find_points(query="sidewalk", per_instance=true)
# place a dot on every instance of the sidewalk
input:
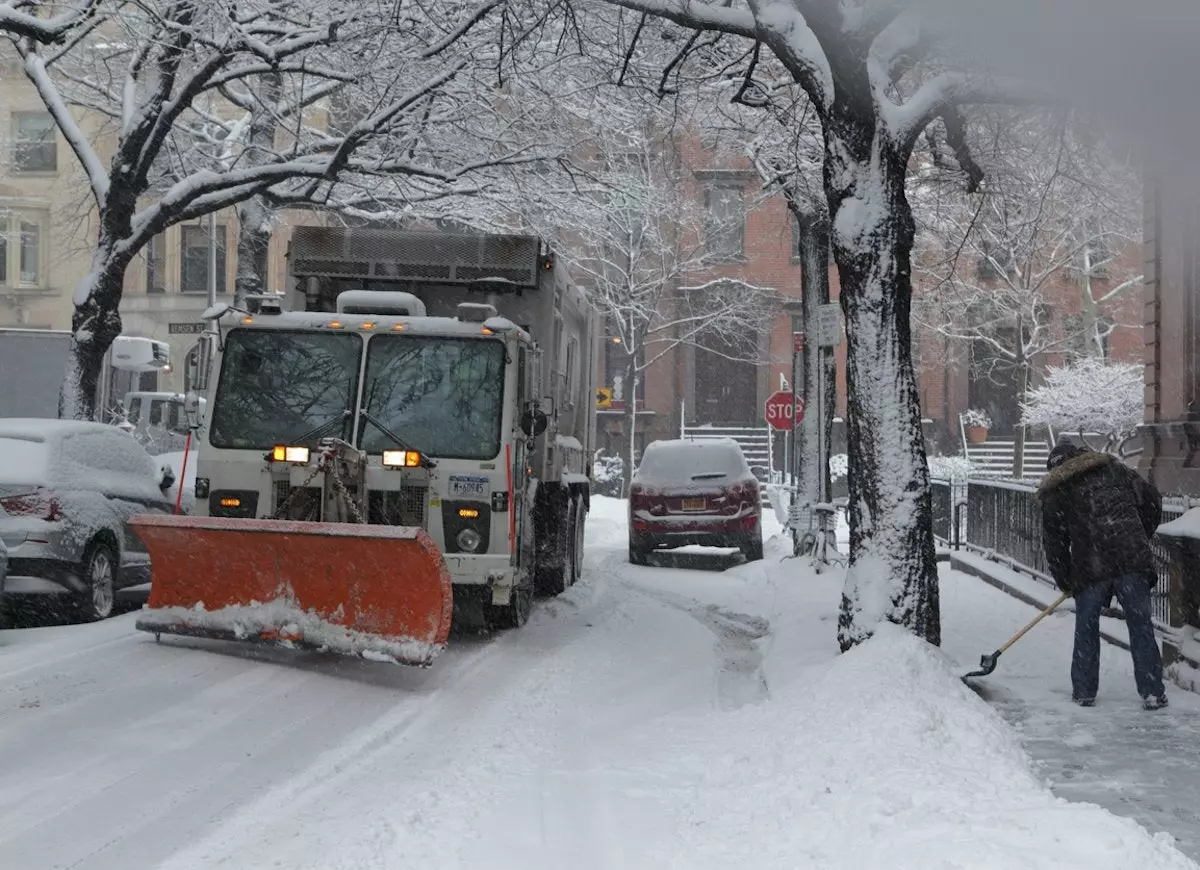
(1145, 766)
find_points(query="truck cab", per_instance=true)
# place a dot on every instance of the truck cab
(460, 433)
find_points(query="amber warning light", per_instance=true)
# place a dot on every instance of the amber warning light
(401, 458)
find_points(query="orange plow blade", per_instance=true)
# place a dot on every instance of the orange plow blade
(378, 592)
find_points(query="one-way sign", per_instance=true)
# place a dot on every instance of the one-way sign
(185, 328)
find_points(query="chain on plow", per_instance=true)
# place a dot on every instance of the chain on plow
(327, 462)
(351, 503)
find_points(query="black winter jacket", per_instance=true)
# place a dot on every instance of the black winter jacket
(1097, 519)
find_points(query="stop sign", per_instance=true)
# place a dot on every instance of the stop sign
(782, 410)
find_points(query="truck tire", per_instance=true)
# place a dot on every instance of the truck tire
(554, 579)
(514, 614)
(577, 539)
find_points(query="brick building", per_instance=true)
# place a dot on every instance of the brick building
(1172, 338)
(696, 386)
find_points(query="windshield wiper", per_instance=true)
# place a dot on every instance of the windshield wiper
(426, 462)
(318, 431)
(709, 475)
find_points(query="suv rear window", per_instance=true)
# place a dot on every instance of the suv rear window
(686, 461)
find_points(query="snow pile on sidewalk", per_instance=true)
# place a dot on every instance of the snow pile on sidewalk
(881, 759)
(282, 621)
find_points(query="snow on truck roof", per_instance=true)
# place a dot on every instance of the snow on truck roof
(382, 323)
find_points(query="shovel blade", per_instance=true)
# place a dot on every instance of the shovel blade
(987, 664)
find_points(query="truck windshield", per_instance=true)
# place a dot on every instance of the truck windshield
(442, 396)
(276, 387)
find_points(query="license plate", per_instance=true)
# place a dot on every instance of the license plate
(693, 504)
(468, 486)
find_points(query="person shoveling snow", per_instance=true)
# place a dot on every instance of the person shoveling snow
(1097, 519)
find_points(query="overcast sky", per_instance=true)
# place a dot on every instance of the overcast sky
(1136, 62)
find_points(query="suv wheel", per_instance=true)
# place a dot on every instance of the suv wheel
(752, 549)
(100, 575)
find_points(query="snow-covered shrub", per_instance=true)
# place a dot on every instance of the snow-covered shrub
(1089, 396)
(951, 468)
(977, 417)
(839, 466)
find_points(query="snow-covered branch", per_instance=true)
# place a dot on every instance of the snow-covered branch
(55, 28)
(1089, 396)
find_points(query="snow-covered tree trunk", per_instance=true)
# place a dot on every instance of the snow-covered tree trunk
(814, 290)
(255, 222)
(630, 422)
(95, 323)
(256, 218)
(893, 566)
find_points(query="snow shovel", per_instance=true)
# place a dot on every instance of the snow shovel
(987, 663)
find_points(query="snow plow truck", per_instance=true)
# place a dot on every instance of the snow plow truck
(400, 439)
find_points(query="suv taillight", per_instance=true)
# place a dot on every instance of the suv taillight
(32, 504)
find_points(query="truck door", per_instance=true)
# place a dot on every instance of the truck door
(528, 389)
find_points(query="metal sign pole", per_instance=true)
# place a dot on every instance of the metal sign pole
(797, 390)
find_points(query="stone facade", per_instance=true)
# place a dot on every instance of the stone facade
(1172, 338)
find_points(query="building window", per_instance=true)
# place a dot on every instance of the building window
(156, 265)
(30, 253)
(193, 273)
(35, 142)
(22, 249)
(725, 224)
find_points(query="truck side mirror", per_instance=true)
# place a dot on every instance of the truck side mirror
(534, 422)
(200, 360)
(191, 409)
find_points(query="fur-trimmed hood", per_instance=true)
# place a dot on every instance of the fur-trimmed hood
(1073, 468)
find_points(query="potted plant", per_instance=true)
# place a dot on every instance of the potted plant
(977, 423)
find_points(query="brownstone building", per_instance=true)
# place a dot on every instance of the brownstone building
(1172, 338)
(697, 386)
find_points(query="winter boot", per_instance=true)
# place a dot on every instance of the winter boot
(1152, 703)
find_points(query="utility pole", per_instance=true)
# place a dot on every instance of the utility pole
(212, 259)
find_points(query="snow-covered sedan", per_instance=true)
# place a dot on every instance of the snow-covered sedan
(694, 492)
(67, 490)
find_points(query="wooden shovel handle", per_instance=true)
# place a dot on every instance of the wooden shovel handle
(1020, 634)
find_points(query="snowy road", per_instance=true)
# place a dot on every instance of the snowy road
(652, 717)
(197, 754)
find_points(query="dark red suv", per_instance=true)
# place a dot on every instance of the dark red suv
(694, 492)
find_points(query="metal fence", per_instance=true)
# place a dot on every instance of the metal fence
(1002, 521)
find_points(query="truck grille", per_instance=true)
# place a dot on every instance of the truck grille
(402, 507)
(305, 506)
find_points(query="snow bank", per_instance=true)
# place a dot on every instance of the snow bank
(293, 626)
(882, 759)
(1186, 526)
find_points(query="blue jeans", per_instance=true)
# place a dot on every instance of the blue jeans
(1133, 591)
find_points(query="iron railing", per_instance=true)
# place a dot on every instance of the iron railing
(1003, 522)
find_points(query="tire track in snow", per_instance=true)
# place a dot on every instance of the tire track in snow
(330, 770)
(740, 678)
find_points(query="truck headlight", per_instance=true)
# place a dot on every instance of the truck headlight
(283, 453)
(468, 540)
